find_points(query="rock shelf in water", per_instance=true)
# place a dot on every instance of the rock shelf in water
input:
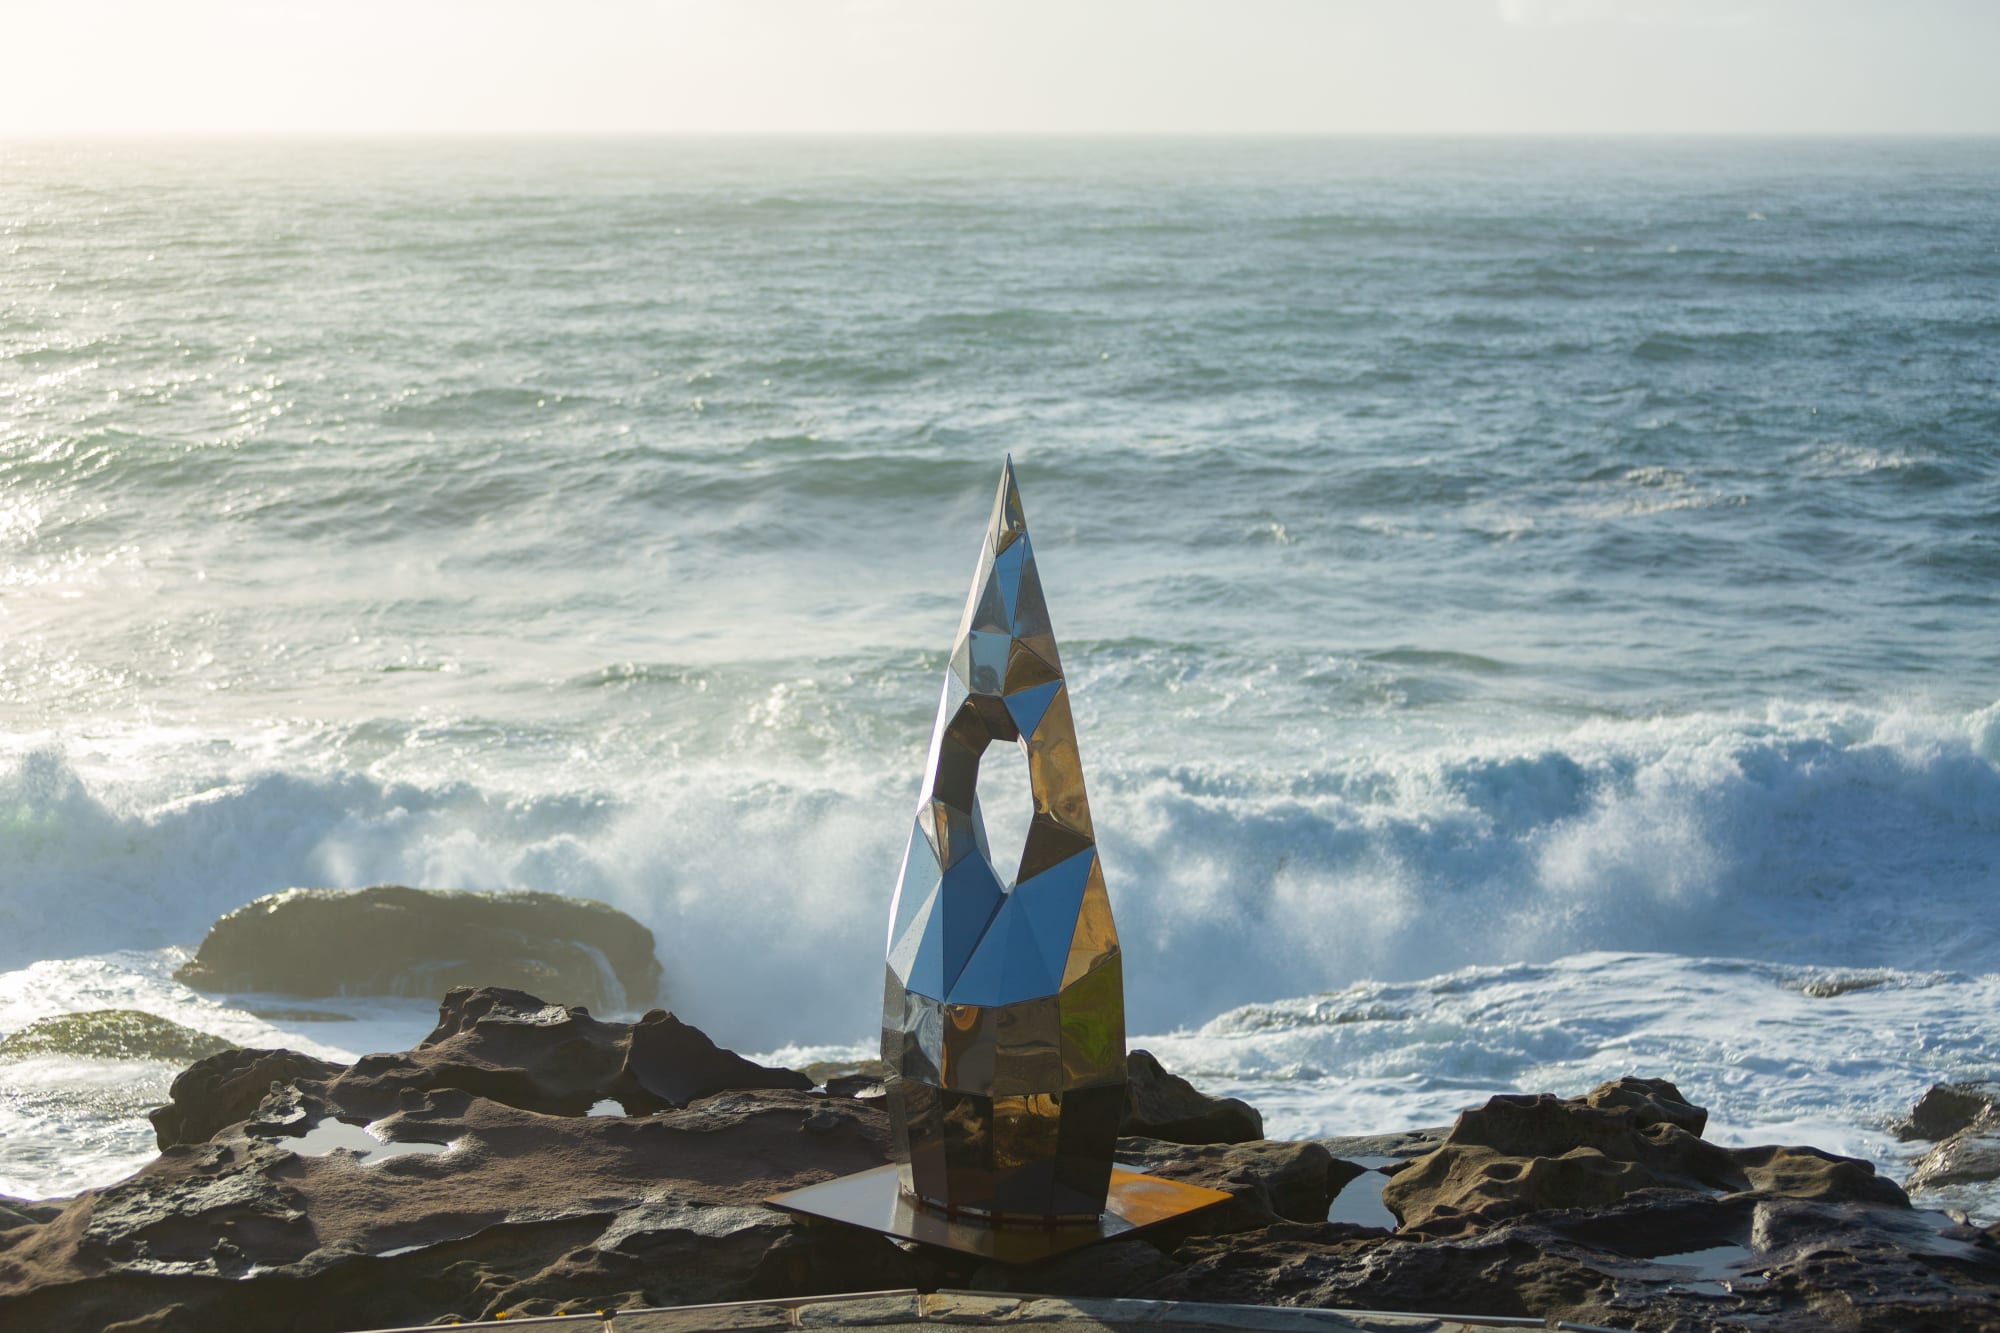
(481, 1172)
(393, 940)
(110, 1034)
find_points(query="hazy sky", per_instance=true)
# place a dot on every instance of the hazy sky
(1366, 66)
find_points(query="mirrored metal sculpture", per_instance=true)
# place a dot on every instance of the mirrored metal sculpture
(1003, 1012)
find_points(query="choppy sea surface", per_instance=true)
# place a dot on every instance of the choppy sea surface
(1531, 605)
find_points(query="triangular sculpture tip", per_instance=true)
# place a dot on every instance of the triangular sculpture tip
(1009, 521)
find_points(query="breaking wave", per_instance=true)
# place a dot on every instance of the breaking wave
(1817, 836)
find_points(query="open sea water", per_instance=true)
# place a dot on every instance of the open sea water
(1531, 605)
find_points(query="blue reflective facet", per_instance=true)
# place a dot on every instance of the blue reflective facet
(969, 895)
(1027, 706)
(919, 956)
(1049, 903)
(919, 879)
(1006, 967)
(981, 976)
(1007, 575)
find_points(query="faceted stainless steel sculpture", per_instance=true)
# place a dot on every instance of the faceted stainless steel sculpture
(1003, 1015)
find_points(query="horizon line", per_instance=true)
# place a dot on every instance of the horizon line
(377, 133)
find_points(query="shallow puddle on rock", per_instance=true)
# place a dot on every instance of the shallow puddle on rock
(329, 1135)
(1717, 1270)
(1360, 1202)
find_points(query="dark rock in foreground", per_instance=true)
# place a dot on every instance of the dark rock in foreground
(392, 940)
(456, 1179)
(669, 1064)
(1160, 1105)
(1608, 1210)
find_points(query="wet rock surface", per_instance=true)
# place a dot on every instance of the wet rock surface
(1964, 1121)
(395, 940)
(487, 1170)
(1948, 1108)
(221, 1089)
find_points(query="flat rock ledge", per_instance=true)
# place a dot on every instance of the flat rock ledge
(982, 1309)
(530, 1160)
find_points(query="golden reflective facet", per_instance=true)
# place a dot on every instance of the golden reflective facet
(1096, 939)
(1008, 520)
(1025, 670)
(956, 775)
(1028, 1058)
(1025, 1130)
(994, 718)
(1007, 1107)
(1048, 844)
(1055, 772)
(1093, 1027)
(969, 1046)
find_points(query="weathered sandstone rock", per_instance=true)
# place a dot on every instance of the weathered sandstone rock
(392, 940)
(441, 1182)
(1520, 1154)
(222, 1089)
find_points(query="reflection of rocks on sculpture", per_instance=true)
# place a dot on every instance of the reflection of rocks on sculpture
(1003, 1019)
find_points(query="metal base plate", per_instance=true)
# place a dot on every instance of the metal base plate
(875, 1200)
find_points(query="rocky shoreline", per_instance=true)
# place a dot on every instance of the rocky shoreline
(530, 1158)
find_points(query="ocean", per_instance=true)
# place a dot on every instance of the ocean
(1529, 604)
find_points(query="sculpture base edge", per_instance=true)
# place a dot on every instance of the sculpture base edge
(875, 1201)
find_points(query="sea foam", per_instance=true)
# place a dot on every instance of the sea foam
(1809, 835)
